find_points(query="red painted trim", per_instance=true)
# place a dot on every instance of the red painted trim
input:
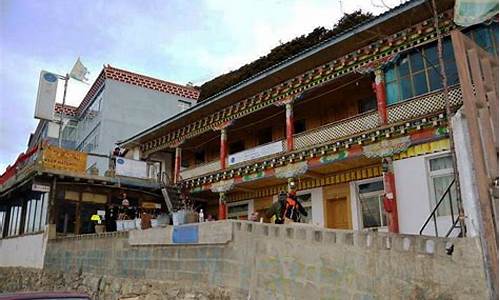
(380, 93)
(223, 149)
(390, 202)
(177, 166)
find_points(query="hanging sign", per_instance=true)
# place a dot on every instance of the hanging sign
(46, 96)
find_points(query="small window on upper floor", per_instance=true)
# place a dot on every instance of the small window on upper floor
(199, 157)
(265, 135)
(299, 126)
(183, 105)
(367, 104)
(236, 147)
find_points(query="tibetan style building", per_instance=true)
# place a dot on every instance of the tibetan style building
(359, 121)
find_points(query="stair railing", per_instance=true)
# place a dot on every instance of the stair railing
(433, 214)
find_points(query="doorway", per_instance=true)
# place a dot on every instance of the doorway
(337, 206)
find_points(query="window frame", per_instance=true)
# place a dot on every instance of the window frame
(359, 205)
(437, 174)
(249, 204)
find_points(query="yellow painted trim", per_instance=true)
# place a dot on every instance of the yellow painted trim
(422, 149)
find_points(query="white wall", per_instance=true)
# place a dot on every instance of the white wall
(414, 196)
(23, 251)
(468, 189)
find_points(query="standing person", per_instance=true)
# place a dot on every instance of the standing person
(277, 209)
(293, 208)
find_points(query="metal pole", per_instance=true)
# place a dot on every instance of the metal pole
(66, 78)
(444, 80)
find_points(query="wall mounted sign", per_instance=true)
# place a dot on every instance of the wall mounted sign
(40, 188)
(64, 160)
(255, 153)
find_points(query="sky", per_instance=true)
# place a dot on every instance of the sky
(175, 40)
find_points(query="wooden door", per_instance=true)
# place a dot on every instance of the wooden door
(337, 214)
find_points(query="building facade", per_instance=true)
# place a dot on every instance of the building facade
(359, 121)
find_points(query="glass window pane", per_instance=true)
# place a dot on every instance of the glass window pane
(420, 83)
(390, 74)
(28, 217)
(441, 184)
(417, 62)
(404, 67)
(448, 49)
(431, 54)
(451, 72)
(434, 78)
(441, 163)
(371, 187)
(406, 89)
(45, 201)
(370, 209)
(38, 215)
(392, 91)
(482, 38)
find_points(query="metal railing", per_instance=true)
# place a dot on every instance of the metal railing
(433, 216)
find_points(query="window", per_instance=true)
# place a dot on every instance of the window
(299, 126)
(306, 201)
(91, 141)
(183, 105)
(15, 220)
(417, 72)
(36, 213)
(236, 147)
(370, 197)
(367, 104)
(199, 157)
(440, 176)
(265, 135)
(238, 211)
(485, 36)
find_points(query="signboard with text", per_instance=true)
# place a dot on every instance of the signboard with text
(64, 160)
(256, 152)
(131, 168)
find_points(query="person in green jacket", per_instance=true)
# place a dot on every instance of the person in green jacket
(277, 209)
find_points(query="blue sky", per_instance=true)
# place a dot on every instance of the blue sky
(179, 41)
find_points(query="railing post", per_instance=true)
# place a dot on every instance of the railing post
(390, 203)
(177, 165)
(379, 88)
(289, 125)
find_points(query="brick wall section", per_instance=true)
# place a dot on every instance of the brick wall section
(266, 261)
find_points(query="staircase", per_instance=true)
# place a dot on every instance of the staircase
(171, 193)
(454, 214)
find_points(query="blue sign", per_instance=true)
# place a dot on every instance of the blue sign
(185, 234)
(50, 77)
(120, 161)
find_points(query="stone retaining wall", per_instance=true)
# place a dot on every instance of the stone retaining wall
(99, 286)
(267, 261)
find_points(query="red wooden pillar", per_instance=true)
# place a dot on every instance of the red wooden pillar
(289, 126)
(379, 88)
(223, 148)
(390, 203)
(177, 165)
(222, 206)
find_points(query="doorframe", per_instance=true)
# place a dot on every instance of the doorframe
(342, 189)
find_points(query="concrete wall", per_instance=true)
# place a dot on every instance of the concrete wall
(413, 196)
(468, 189)
(266, 261)
(23, 251)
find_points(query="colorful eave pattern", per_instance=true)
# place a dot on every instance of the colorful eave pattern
(419, 131)
(358, 60)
